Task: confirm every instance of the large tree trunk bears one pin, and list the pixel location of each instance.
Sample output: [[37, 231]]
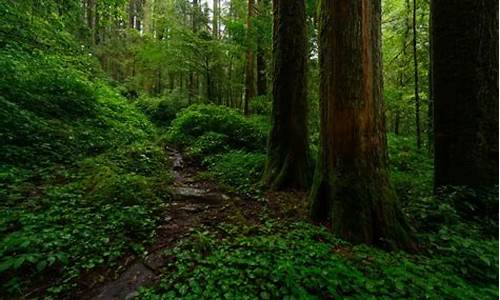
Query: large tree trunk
[[287, 158], [250, 84], [351, 187], [465, 91]]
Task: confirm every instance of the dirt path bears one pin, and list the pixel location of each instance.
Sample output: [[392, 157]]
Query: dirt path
[[194, 203]]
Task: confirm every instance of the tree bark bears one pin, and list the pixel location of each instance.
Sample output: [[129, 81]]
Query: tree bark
[[465, 91], [351, 186], [287, 163], [250, 85]]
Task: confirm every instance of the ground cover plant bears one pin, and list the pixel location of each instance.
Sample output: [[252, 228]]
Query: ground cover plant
[[242, 149]]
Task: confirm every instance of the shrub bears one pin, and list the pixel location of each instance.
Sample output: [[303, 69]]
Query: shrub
[[411, 169], [161, 110], [261, 105], [209, 143], [197, 120], [237, 170]]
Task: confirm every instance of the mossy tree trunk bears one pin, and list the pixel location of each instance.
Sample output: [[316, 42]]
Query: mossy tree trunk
[[351, 186], [250, 71], [465, 91], [287, 160]]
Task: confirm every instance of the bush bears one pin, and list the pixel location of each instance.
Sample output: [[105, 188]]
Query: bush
[[209, 143], [162, 110], [197, 120], [237, 170], [411, 169], [261, 105]]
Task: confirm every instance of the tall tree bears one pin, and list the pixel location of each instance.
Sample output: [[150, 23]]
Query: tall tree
[[351, 187], [416, 76], [465, 91], [287, 152], [250, 84], [91, 20], [263, 6], [193, 82], [215, 19]]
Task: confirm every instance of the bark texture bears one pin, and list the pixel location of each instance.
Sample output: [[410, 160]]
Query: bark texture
[[288, 159], [351, 187], [465, 91]]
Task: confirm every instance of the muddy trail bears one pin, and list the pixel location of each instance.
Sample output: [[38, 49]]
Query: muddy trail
[[194, 203]]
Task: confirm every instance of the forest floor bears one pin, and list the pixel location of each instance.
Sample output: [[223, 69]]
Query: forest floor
[[196, 203]]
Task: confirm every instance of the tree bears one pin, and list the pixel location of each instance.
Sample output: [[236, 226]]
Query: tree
[[263, 13], [215, 18], [287, 152], [351, 186], [416, 76], [250, 84], [465, 92]]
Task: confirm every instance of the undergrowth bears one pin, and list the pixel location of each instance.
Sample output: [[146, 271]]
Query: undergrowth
[[81, 180], [303, 261], [230, 146]]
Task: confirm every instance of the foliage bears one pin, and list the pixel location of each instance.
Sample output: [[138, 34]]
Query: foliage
[[261, 105], [81, 182], [161, 110], [411, 169], [237, 170], [399, 69], [303, 261], [229, 145], [197, 120], [209, 143]]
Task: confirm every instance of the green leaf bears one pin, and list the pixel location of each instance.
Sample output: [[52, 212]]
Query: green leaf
[[41, 265], [6, 264]]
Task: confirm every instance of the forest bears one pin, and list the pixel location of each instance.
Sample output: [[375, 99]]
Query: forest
[[249, 149]]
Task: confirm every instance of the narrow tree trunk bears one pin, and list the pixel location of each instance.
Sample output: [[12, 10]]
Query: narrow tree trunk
[[430, 104], [215, 19], [351, 187], [465, 91], [131, 13], [261, 72], [250, 85], [261, 55], [91, 19], [397, 120], [287, 163], [415, 66], [159, 90], [96, 23]]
